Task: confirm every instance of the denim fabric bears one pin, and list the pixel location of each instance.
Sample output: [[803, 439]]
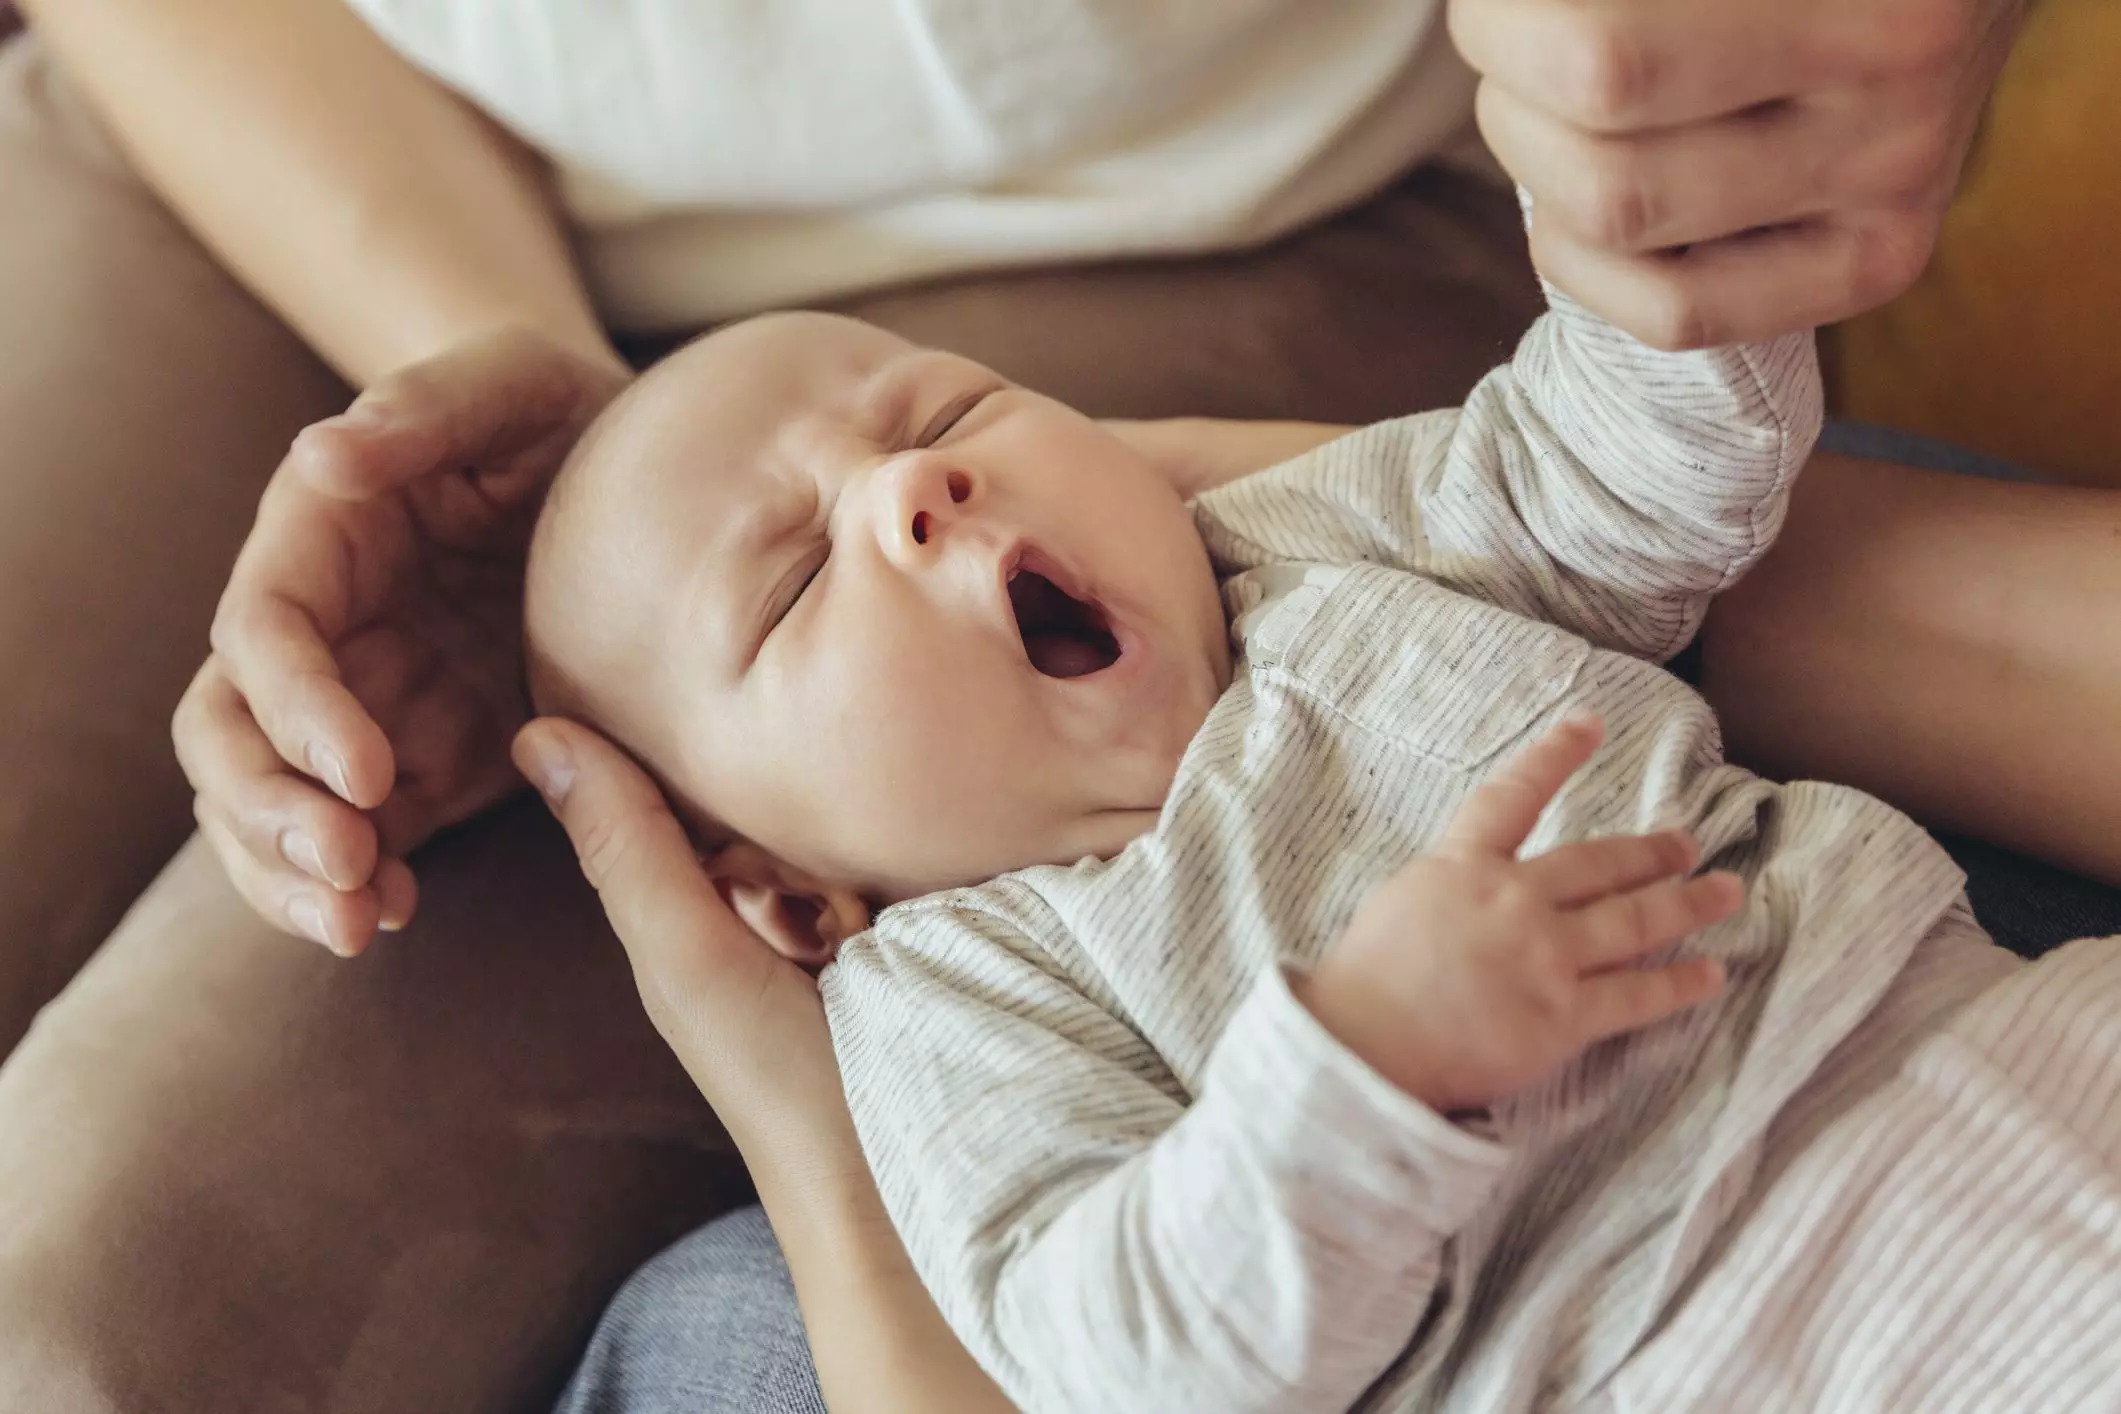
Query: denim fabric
[[710, 1326]]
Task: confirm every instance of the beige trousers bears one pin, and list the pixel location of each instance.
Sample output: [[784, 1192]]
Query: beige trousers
[[237, 1174]]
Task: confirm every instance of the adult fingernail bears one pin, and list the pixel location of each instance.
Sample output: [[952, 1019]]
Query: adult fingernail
[[363, 416], [301, 851], [308, 918], [548, 765], [328, 766]]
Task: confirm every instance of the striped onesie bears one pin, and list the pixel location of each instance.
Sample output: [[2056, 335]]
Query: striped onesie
[[1882, 1170]]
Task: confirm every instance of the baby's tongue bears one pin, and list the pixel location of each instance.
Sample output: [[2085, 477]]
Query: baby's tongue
[[1061, 655]]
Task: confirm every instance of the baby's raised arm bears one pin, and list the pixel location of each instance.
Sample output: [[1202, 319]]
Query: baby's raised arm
[[1592, 481]]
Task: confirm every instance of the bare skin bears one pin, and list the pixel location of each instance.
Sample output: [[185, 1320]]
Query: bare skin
[[1712, 171], [398, 230]]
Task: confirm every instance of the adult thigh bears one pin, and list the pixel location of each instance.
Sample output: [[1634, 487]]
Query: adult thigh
[[144, 399], [236, 1173]]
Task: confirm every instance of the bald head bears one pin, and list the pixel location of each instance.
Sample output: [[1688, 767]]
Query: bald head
[[642, 507]]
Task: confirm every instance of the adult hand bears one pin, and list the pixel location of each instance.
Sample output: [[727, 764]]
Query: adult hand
[[366, 672], [1710, 171], [746, 1022]]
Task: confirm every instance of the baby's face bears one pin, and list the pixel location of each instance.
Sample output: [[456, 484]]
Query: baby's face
[[895, 620]]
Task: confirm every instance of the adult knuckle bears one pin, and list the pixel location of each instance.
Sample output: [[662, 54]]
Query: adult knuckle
[[1885, 256], [603, 847], [1609, 71], [1674, 319], [234, 620], [1620, 206], [1930, 34]]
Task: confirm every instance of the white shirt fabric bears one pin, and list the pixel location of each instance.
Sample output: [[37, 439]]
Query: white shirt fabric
[[1134, 1171], [726, 156]]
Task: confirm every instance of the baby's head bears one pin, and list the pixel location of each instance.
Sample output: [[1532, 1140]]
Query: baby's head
[[876, 616]]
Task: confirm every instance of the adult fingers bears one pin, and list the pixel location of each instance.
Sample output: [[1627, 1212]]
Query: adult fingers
[[1577, 874], [478, 404], [1752, 286], [278, 819], [279, 660], [1617, 930], [342, 921], [1632, 998], [674, 924], [1502, 811], [1631, 65], [1679, 186]]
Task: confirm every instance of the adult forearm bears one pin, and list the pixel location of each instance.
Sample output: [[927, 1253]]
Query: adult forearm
[[1201, 453], [1952, 644], [879, 1343], [380, 215]]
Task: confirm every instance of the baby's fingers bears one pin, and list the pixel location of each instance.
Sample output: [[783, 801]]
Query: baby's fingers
[[1505, 808], [1629, 998], [1621, 928], [1577, 874]]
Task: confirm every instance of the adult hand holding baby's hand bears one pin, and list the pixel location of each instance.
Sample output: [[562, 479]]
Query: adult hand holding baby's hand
[[1471, 974], [367, 665], [1712, 171], [747, 1023]]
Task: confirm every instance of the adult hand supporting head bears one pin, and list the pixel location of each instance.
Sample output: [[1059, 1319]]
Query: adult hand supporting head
[[746, 1022], [1710, 171], [366, 672]]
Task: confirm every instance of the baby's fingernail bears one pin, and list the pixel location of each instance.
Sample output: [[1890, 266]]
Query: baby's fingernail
[[547, 764], [308, 918], [391, 925], [301, 851], [329, 767]]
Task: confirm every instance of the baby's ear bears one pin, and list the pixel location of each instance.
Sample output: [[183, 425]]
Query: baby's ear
[[800, 918]]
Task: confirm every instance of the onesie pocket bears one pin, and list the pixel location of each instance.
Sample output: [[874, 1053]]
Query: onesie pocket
[[1448, 677]]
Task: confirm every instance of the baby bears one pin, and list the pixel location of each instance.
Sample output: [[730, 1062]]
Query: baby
[[1257, 985]]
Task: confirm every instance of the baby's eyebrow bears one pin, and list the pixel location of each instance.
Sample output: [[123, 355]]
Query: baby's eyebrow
[[765, 523], [883, 410]]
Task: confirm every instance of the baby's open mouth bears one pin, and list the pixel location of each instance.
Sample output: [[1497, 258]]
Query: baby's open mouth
[[1065, 637]]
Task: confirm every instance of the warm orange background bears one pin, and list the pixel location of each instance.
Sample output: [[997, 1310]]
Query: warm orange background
[[2011, 342]]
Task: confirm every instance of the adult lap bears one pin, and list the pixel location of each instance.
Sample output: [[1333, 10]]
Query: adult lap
[[143, 399], [411, 1181], [250, 1170]]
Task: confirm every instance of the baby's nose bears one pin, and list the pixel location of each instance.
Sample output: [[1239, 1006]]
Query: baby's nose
[[930, 496]]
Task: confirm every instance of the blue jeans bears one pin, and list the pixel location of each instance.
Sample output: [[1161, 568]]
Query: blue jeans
[[711, 1326]]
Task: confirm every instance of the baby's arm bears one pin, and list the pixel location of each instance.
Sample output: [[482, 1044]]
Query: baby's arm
[[1592, 482], [1097, 1243], [1615, 489]]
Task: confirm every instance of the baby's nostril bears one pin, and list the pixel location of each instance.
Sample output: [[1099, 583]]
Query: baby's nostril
[[920, 527], [960, 486]]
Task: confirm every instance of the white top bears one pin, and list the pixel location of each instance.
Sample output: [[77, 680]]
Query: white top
[[724, 156], [1133, 1170]]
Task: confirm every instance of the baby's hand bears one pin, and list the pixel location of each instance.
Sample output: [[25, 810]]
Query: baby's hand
[[1471, 974]]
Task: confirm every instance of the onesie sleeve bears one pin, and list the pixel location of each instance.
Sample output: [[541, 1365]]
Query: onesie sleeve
[[1100, 1243], [1592, 482]]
